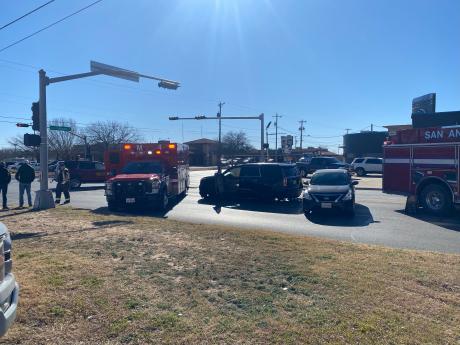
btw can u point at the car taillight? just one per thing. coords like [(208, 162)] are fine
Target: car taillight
[(285, 182)]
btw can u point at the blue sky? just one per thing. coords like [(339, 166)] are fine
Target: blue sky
[(336, 64)]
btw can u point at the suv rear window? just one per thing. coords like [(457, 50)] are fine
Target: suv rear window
[(290, 171), (271, 172), (252, 171), (374, 161)]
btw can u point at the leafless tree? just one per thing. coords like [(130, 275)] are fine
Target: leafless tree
[(111, 132), (22, 150), (62, 143), (234, 143)]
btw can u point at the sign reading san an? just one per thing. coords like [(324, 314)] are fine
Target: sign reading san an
[(442, 134)]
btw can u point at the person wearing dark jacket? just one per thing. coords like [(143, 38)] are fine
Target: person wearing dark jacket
[(63, 183), (25, 175), (5, 179)]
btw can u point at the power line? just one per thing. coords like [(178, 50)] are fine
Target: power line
[(49, 26), (25, 15)]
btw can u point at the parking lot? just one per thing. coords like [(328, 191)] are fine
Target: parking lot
[(379, 219)]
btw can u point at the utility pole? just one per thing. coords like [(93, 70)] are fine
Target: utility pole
[(372, 127), (276, 135), (301, 129), (219, 115), (266, 140), (348, 130)]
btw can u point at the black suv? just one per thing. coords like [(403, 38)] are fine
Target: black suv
[(317, 163), (261, 180), (330, 189)]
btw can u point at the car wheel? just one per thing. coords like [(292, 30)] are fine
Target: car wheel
[(75, 183), (360, 172), (436, 199)]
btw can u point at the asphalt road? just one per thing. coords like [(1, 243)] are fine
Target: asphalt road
[(379, 218)]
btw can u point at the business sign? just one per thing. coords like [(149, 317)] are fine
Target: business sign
[(425, 104)]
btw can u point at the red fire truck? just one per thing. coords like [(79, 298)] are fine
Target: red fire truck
[(423, 164), (146, 174)]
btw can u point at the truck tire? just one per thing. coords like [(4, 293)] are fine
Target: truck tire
[(164, 201), (436, 199), (360, 171), (75, 183)]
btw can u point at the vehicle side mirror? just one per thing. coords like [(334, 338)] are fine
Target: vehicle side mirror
[(354, 183)]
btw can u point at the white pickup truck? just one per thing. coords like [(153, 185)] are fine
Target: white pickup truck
[(9, 288)]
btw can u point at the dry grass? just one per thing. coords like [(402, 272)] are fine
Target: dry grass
[(111, 279)]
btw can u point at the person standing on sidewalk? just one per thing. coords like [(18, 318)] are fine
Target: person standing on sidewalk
[(5, 179), (63, 184), (25, 175)]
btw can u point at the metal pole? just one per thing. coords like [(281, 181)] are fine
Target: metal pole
[(262, 124), (268, 148), (44, 197), (276, 137), (219, 162)]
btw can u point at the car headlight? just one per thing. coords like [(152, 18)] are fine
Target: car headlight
[(155, 185), (307, 196), (348, 196)]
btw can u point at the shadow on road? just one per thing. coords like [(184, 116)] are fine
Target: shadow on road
[(362, 217), (447, 222), (284, 207)]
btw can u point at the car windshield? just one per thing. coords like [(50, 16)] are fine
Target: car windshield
[(330, 179), (142, 168)]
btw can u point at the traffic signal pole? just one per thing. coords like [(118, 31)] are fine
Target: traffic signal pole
[(44, 198)]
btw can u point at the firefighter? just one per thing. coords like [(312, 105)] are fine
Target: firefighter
[(5, 179), (63, 184)]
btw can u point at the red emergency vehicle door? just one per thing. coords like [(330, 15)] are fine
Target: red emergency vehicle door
[(396, 169)]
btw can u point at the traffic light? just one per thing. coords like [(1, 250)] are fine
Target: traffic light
[(32, 140), (168, 85), (35, 116), (174, 118), (200, 117), (22, 125)]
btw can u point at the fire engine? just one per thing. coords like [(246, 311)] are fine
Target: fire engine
[(423, 164), (146, 174)]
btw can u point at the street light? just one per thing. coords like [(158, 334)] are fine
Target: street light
[(266, 135), (44, 197)]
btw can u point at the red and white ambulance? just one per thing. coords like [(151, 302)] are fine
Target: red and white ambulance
[(146, 174), (423, 164)]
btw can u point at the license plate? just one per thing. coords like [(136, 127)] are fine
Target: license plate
[(130, 200), (326, 205)]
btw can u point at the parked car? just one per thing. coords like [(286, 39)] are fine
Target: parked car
[(262, 180), (316, 163), (84, 172), (330, 189), (9, 288), (363, 166)]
